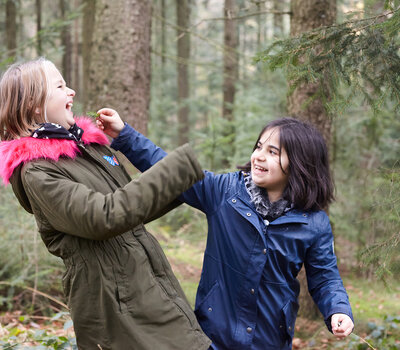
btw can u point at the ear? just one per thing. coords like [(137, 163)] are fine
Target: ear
[(37, 110)]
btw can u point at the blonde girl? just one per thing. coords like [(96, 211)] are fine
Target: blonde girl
[(119, 286)]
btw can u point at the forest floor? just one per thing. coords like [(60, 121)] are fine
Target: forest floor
[(371, 301)]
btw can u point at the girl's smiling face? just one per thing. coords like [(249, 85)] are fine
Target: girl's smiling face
[(270, 164), (60, 100)]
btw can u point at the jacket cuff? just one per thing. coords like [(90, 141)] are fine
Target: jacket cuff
[(122, 139)]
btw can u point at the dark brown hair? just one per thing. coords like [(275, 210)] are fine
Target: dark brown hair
[(310, 185)]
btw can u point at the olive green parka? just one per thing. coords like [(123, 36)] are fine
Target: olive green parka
[(118, 283)]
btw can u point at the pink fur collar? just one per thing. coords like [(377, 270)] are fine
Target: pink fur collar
[(25, 149)]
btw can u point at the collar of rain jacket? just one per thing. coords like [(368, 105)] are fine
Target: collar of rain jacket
[(292, 216), (25, 149)]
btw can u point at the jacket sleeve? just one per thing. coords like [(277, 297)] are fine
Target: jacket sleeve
[(143, 154), (139, 150), (73, 208), (324, 282)]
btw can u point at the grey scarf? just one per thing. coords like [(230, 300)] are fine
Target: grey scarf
[(259, 197)]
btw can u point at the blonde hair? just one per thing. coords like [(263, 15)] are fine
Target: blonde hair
[(24, 91)]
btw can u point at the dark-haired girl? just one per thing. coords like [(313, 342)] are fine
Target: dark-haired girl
[(265, 222)]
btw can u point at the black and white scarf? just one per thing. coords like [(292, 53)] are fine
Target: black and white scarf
[(259, 197), (55, 131)]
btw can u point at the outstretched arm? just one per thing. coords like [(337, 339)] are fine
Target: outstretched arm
[(143, 154), (324, 281), (74, 208)]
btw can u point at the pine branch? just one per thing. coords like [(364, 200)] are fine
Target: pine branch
[(359, 53)]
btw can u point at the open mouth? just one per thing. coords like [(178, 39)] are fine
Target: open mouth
[(260, 168), (69, 106)]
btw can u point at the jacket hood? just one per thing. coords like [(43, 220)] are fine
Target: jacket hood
[(25, 149), (15, 153)]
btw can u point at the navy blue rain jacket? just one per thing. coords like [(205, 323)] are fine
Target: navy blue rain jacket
[(247, 296)]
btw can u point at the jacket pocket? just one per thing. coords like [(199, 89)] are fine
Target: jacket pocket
[(186, 310), (207, 296), (213, 314), (74, 278), (77, 291), (66, 281), (289, 315)]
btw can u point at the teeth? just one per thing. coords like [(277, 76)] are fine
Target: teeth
[(259, 168), (69, 105)]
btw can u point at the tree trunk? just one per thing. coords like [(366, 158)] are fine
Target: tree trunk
[(305, 104), (231, 64), (11, 27), (39, 49), (20, 27), (183, 49), (88, 21), (259, 25), (278, 6), (308, 15), (75, 51), (120, 60), (163, 39), (66, 43)]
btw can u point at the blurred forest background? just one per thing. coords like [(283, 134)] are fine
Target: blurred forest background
[(213, 73)]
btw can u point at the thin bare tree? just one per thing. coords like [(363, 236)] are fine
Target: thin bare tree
[(231, 72), (183, 50)]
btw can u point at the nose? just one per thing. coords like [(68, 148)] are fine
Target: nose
[(71, 92), (260, 155)]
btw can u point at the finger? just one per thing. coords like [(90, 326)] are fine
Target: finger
[(349, 326), (106, 118), (335, 323), (344, 332), (106, 111), (99, 124), (347, 322), (348, 331)]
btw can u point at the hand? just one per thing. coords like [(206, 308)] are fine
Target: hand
[(110, 122), (342, 325)]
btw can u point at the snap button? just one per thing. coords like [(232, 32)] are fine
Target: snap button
[(290, 328), (233, 200), (305, 215), (248, 214), (252, 291), (280, 326), (264, 251), (249, 329), (209, 309)]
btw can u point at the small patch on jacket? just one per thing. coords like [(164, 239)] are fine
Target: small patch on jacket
[(112, 160)]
